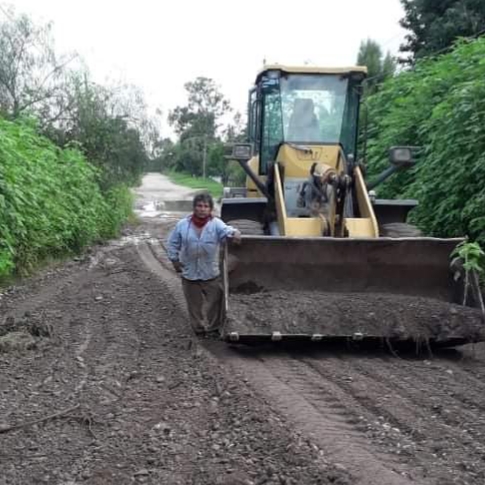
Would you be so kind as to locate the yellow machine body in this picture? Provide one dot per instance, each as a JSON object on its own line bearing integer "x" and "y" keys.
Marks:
{"x": 290, "y": 253}
{"x": 252, "y": 190}
{"x": 297, "y": 164}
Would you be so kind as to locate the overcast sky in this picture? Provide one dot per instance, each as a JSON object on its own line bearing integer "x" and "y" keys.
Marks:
{"x": 160, "y": 44}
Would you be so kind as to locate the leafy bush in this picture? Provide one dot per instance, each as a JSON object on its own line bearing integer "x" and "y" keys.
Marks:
{"x": 50, "y": 200}
{"x": 440, "y": 107}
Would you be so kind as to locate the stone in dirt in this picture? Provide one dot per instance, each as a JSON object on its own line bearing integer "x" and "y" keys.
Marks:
{"x": 17, "y": 341}
{"x": 142, "y": 472}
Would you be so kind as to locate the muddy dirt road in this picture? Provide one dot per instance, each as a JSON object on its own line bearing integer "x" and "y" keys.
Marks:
{"x": 101, "y": 382}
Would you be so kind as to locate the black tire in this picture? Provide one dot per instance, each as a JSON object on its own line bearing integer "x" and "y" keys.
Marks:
{"x": 248, "y": 227}
{"x": 399, "y": 229}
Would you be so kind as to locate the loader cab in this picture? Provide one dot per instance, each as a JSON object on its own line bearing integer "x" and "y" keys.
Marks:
{"x": 304, "y": 106}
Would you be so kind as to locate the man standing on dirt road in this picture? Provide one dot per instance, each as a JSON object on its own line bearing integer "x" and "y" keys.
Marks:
{"x": 193, "y": 249}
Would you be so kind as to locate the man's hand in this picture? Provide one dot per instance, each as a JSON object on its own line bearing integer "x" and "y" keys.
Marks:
{"x": 178, "y": 266}
{"x": 236, "y": 237}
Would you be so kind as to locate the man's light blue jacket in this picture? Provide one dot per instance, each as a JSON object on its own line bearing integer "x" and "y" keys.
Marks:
{"x": 198, "y": 253}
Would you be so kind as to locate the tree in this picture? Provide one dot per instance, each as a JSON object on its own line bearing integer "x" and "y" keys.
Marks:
{"x": 105, "y": 128}
{"x": 236, "y": 131}
{"x": 218, "y": 165}
{"x": 127, "y": 101}
{"x": 379, "y": 68}
{"x": 31, "y": 75}
{"x": 111, "y": 123}
{"x": 164, "y": 156}
{"x": 434, "y": 25}
{"x": 197, "y": 124}
{"x": 388, "y": 66}
{"x": 206, "y": 104}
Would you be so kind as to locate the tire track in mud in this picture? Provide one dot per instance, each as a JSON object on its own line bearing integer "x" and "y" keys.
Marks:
{"x": 458, "y": 383}
{"x": 413, "y": 388}
{"x": 325, "y": 411}
{"x": 69, "y": 359}
{"x": 317, "y": 407}
{"x": 45, "y": 293}
{"x": 401, "y": 407}
{"x": 450, "y": 386}
{"x": 457, "y": 406}
{"x": 467, "y": 367}
{"x": 79, "y": 355}
{"x": 94, "y": 347}
{"x": 452, "y": 433}
{"x": 361, "y": 389}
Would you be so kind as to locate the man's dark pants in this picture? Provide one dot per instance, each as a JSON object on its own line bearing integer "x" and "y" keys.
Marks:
{"x": 204, "y": 303}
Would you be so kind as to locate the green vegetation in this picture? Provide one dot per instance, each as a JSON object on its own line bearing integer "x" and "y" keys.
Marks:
{"x": 69, "y": 150}
{"x": 473, "y": 258}
{"x": 50, "y": 201}
{"x": 472, "y": 255}
{"x": 379, "y": 67}
{"x": 70, "y": 147}
{"x": 197, "y": 183}
{"x": 439, "y": 106}
{"x": 199, "y": 149}
{"x": 435, "y": 25}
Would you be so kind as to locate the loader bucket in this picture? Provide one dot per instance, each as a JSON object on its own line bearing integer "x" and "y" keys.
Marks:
{"x": 328, "y": 289}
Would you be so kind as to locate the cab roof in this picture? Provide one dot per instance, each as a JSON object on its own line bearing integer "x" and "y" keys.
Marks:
{"x": 311, "y": 70}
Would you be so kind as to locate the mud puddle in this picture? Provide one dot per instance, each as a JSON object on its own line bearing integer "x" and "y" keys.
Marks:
{"x": 162, "y": 209}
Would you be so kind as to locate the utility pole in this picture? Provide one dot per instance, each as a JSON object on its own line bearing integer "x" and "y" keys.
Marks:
{"x": 204, "y": 158}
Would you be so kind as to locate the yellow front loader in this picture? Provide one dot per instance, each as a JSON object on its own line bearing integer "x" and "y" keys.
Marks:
{"x": 322, "y": 258}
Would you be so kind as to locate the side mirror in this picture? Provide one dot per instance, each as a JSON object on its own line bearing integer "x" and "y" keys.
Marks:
{"x": 402, "y": 157}
{"x": 241, "y": 152}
